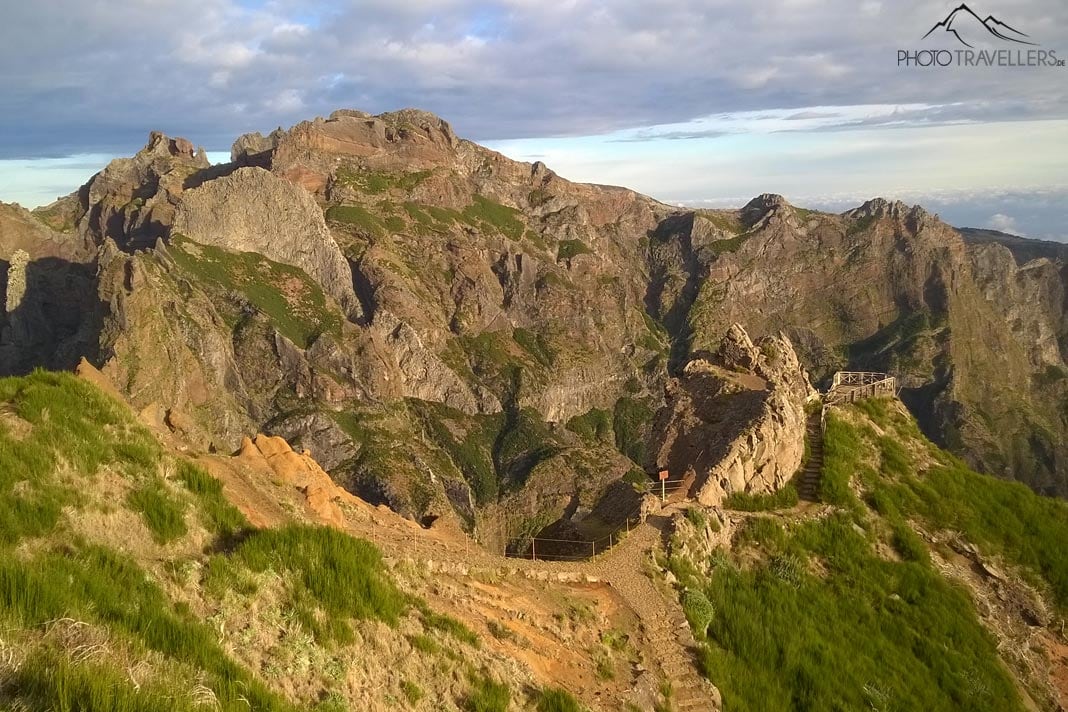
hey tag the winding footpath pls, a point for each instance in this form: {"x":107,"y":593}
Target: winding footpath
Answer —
{"x":623,"y":568}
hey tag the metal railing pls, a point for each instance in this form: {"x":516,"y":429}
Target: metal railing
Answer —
{"x":851,"y":386}
{"x":857,"y":378}
{"x":526,"y":547}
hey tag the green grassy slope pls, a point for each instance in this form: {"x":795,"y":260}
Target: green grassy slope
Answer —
{"x":846,"y":611}
{"x":129,"y":583}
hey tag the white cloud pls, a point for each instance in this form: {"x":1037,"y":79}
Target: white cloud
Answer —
{"x":871,"y":8}
{"x":1004,"y":223}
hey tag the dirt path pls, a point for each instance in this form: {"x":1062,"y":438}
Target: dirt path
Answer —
{"x":662,"y":617}
{"x":623,"y":568}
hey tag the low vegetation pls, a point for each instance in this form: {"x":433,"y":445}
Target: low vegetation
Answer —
{"x":569,"y":249}
{"x":558,"y":700}
{"x":535,"y":344}
{"x":95,"y":627}
{"x":1003,"y":518}
{"x":728,"y":244}
{"x":783,"y":498}
{"x":326,"y":571}
{"x":377,"y":182}
{"x":631,"y":419}
{"x":868,"y":633}
{"x":293,"y":302}
{"x":219,"y":516}
{"x":357,"y":217}
{"x":723,"y":220}
{"x":494,"y":216}
{"x":594,"y":425}
{"x":812,"y":614}
{"x":858,"y":225}
{"x":468,"y":441}
{"x":487,"y":695}
{"x":161,"y":512}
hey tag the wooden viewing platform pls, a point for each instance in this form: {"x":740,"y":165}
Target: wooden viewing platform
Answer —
{"x":851,"y":386}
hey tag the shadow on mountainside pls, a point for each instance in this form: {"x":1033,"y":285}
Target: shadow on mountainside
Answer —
{"x":55,"y":315}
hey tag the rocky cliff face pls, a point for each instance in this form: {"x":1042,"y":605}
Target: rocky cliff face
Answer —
{"x":465,"y":336}
{"x":48,"y":292}
{"x":890,"y":287}
{"x":735,"y":420}
{"x":251,"y":210}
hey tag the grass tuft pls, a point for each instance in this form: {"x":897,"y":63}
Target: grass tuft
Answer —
{"x":568,"y":249}
{"x":49,"y":681}
{"x":343,"y":575}
{"x":486,"y":695}
{"x":159,"y":510}
{"x":222,"y":517}
{"x":745,"y":502}
{"x":558,"y":700}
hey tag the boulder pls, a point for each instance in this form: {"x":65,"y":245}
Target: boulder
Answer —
{"x":252,"y":210}
{"x":735,"y":422}
{"x":132,"y":200}
{"x":322,"y":496}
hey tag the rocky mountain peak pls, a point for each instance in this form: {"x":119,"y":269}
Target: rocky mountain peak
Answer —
{"x":761,"y":206}
{"x":132,"y":200}
{"x":310,"y":153}
{"x":159,"y":144}
{"x":405,"y":121}
{"x":737,"y":351}
{"x":881,"y":207}
{"x":913,"y":216}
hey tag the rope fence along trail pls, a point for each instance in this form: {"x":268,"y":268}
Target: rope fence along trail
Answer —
{"x":549,"y":549}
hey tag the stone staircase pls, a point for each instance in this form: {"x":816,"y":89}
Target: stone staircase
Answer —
{"x":673,"y":645}
{"x":808,"y":485}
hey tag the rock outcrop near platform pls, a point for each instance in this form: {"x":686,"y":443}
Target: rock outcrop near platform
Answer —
{"x":735,"y":420}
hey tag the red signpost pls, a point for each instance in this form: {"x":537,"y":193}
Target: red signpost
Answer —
{"x":663,"y":485}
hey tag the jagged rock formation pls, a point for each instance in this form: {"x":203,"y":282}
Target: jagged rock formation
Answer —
{"x":16,"y":281}
{"x":48,"y":289}
{"x":888,"y":287}
{"x":132,"y":201}
{"x":406,"y":141}
{"x":299,"y":470}
{"x":251,"y":210}
{"x":735,"y":420}
{"x":336,"y":277}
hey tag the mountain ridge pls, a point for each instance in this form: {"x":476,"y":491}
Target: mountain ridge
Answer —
{"x":330,"y":505}
{"x":583,"y":292}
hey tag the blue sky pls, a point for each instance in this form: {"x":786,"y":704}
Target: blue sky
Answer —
{"x":703,"y":102}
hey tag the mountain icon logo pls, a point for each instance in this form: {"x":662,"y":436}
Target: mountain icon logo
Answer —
{"x":964,"y":24}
